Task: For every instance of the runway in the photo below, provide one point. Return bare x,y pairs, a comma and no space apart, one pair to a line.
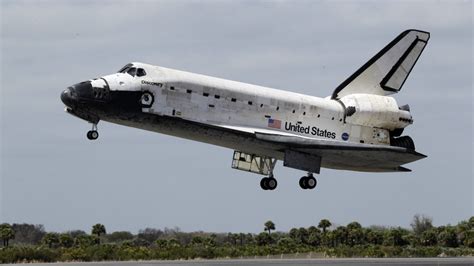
282,262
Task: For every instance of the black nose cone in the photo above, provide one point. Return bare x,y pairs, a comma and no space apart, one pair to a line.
67,97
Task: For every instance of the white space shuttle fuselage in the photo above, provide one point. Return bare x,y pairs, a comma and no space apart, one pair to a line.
357,128
247,107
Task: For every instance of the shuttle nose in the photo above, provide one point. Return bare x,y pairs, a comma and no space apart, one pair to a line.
67,97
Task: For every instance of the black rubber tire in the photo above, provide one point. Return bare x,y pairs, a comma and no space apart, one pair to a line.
311,182
263,183
271,183
89,134
303,182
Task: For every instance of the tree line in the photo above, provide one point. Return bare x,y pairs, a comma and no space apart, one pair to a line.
27,242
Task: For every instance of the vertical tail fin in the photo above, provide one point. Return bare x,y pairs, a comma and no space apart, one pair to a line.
386,72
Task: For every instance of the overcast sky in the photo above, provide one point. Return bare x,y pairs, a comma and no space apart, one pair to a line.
131,179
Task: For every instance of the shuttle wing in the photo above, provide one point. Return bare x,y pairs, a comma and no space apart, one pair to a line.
387,71
338,154
344,155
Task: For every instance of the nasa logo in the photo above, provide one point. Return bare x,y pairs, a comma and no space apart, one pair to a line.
345,136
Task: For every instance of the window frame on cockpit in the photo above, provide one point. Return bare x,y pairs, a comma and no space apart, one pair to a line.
125,68
133,70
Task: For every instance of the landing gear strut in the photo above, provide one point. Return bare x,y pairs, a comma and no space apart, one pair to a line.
258,164
93,134
308,182
269,183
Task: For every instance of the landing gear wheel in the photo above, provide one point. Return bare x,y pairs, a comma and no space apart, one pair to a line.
92,134
303,182
271,183
263,183
308,182
311,182
268,183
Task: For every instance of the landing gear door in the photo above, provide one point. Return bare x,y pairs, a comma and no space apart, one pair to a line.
253,163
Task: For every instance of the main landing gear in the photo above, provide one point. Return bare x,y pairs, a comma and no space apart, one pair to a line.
264,165
308,182
93,134
268,183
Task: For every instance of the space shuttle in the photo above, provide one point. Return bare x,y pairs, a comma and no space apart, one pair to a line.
359,127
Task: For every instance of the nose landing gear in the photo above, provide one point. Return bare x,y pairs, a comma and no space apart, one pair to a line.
93,134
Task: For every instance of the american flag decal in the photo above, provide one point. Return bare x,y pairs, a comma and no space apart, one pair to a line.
274,123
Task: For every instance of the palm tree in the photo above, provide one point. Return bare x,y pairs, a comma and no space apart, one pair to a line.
241,236
6,233
84,241
324,223
51,239
233,238
98,230
339,235
421,223
66,240
269,226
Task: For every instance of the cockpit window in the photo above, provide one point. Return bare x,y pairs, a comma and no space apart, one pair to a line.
125,68
132,71
141,72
